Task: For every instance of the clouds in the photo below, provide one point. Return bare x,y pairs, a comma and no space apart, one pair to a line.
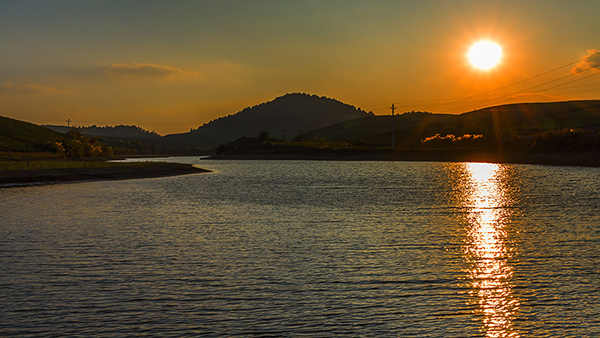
149,70
30,89
592,61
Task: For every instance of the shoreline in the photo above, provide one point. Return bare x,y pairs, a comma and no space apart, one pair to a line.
591,159
21,178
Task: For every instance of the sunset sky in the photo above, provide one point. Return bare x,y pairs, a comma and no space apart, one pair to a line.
169,66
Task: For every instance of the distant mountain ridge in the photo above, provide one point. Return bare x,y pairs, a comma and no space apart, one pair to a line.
284,117
120,131
326,119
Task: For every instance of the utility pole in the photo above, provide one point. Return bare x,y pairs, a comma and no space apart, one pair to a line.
68,122
393,139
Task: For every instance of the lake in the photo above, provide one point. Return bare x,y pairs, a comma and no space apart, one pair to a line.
307,248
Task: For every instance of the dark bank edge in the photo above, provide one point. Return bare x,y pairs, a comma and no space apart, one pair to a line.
591,159
19,178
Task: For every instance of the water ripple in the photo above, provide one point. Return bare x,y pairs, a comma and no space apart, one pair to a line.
293,248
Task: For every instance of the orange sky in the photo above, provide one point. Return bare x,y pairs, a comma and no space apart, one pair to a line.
170,66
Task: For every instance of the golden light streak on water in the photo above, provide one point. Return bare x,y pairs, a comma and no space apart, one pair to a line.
486,201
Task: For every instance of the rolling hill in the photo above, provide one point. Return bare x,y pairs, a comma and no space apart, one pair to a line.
20,136
373,125
325,119
284,117
495,122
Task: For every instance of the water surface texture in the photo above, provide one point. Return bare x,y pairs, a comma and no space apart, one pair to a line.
307,248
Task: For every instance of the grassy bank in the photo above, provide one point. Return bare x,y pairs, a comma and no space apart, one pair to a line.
54,165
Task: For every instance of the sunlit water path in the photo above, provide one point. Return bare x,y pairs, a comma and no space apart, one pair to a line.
307,248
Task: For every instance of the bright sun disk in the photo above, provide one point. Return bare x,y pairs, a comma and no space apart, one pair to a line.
485,55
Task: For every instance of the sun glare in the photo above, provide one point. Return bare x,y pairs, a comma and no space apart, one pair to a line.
485,55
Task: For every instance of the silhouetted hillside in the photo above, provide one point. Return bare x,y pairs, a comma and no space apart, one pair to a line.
120,131
285,117
374,125
558,133
528,118
23,136
494,123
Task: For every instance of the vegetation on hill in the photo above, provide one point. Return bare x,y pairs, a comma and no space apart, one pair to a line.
23,137
73,144
566,140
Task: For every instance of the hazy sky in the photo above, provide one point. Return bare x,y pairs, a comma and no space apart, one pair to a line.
169,66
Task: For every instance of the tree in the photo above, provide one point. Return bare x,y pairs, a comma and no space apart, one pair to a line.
73,144
264,136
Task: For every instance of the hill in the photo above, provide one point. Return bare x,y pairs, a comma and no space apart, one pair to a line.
374,125
284,117
20,136
494,123
120,131
557,133
24,137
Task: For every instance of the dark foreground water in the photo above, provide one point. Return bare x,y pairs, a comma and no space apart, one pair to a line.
301,248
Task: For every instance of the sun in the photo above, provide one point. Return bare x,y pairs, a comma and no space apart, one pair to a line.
485,55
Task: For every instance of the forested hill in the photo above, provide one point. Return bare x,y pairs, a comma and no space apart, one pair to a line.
284,117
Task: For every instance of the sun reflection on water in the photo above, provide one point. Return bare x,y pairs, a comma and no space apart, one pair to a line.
486,201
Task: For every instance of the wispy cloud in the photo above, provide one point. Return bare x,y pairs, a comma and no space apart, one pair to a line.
150,70
30,89
592,61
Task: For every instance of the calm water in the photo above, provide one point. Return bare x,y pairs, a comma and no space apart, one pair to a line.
303,248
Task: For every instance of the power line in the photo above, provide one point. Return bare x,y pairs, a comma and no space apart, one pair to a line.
402,103
502,98
521,81
566,83
580,89
537,86
411,102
